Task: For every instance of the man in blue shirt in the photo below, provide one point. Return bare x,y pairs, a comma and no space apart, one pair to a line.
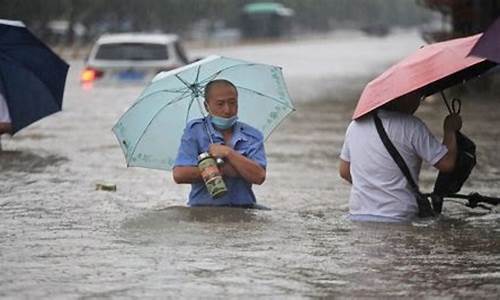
240,145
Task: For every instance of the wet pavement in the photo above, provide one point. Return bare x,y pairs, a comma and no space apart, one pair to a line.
60,238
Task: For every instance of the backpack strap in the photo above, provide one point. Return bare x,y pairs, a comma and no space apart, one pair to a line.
394,153
424,207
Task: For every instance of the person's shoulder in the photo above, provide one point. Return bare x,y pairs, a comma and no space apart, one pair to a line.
415,121
359,124
251,131
194,123
401,117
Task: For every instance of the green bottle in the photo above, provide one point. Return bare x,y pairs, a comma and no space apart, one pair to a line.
211,175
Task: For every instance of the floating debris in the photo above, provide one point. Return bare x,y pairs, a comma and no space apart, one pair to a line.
110,187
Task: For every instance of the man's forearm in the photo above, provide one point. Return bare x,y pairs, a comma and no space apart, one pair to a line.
452,123
247,168
450,141
229,170
186,174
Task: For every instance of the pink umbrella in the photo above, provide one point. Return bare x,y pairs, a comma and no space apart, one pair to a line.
428,70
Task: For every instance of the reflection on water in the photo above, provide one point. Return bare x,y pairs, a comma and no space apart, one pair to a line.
60,238
168,217
28,162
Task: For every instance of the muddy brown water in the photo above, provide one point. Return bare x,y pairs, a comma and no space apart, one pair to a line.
60,238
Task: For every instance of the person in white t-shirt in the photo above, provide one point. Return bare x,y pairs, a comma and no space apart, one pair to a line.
379,190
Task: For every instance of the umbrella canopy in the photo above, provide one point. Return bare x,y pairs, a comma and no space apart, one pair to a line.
488,45
32,77
149,133
428,70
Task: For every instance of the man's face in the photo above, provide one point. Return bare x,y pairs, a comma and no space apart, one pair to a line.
222,101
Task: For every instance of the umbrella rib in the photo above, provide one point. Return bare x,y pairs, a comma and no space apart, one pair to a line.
144,97
267,96
208,79
183,90
183,81
152,119
178,99
225,69
197,74
189,108
214,75
194,87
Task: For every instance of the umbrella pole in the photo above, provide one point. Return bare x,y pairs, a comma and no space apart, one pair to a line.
219,160
207,130
446,102
204,120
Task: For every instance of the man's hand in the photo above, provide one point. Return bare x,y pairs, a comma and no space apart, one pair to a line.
345,170
238,165
452,123
221,151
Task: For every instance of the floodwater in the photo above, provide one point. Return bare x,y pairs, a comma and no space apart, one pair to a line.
60,238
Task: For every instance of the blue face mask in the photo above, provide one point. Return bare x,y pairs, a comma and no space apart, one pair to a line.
223,123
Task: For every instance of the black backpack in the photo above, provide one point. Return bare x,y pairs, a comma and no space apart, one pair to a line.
452,182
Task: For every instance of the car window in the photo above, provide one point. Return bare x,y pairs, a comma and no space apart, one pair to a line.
132,51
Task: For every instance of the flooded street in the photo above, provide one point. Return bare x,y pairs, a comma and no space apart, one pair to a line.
60,238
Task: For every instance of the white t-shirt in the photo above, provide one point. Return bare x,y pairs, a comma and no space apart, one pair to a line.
379,187
4,110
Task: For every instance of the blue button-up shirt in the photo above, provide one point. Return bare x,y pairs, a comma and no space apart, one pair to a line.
247,140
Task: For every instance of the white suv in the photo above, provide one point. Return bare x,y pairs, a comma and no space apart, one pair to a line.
132,57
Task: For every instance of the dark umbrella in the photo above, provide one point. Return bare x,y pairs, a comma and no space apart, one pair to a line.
32,77
488,45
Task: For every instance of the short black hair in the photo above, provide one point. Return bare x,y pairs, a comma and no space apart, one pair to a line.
215,82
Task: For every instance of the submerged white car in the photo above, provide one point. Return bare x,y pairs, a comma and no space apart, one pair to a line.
132,57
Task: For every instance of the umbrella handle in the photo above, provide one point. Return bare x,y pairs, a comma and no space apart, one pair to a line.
456,105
